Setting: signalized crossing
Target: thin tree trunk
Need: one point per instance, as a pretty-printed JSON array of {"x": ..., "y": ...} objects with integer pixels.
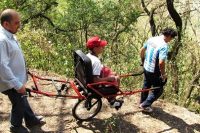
[
  {"x": 151, "y": 18},
  {"x": 194, "y": 81},
  {"x": 175, "y": 49}
]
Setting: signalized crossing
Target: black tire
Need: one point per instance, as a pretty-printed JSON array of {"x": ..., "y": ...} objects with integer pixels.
[{"x": 87, "y": 109}]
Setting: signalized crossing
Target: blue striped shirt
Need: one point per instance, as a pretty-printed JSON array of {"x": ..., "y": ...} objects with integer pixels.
[{"x": 156, "y": 49}]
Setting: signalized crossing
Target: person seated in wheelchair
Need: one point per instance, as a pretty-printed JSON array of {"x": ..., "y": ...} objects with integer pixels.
[{"x": 100, "y": 72}]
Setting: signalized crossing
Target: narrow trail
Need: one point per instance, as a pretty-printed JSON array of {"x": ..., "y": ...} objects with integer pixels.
[{"x": 166, "y": 117}]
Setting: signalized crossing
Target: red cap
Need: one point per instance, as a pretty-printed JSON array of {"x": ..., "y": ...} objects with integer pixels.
[{"x": 95, "y": 42}]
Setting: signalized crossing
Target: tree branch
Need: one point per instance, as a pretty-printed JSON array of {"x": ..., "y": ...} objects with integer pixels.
[
  {"x": 151, "y": 16},
  {"x": 48, "y": 6}
]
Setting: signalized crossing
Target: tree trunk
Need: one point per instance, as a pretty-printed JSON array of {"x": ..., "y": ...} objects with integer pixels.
[
  {"x": 194, "y": 81},
  {"x": 175, "y": 49},
  {"x": 151, "y": 18}
]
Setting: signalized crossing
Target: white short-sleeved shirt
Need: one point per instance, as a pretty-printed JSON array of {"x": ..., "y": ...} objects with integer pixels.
[{"x": 96, "y": 64}]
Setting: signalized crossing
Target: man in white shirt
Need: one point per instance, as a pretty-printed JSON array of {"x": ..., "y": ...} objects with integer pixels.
[{"x": 13, "y": 75}]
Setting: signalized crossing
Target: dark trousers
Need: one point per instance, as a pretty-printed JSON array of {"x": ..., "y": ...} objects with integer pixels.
[
  {"x": 151, "y": 80},
  {"x": 20, "y": 108}
]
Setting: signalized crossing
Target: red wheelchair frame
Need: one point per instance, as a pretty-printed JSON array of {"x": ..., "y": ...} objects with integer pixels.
[
  {"x": 65, "y": 83},
  {"x": 88, "y": 95},
  {"x": 71, "y": 84}
]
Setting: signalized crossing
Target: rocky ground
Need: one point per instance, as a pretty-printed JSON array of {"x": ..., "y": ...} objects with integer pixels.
[{"x": 166, "y": 117}]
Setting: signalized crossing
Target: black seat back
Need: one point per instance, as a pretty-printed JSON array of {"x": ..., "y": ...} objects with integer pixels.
[
  {"x": 82, "y": 68},
  {"x": 83, "y": 75}
]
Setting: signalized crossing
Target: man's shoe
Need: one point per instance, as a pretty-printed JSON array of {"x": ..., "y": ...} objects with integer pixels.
[
  {"x": 39, "y": 117},
  {"x": 20, "y": 129},
  {"x": 146, "y": 109},
  {"x": 116, "y": 104},
  {"x": 40, "y": 122}
]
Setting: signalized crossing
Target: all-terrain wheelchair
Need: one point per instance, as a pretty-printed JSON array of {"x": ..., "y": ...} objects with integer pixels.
[{"x": 88, "y": 93}]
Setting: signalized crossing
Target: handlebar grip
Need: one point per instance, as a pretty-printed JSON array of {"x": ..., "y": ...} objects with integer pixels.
[{"x": 28, "y": 92}]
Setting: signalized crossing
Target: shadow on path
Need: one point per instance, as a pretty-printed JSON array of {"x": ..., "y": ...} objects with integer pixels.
[
  {"x": 174, "y": 122},
  {"x": 114, "y": 124}
]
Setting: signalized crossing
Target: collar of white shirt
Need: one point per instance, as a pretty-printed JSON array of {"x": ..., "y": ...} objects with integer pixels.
[{"x": 7, "y": 33}]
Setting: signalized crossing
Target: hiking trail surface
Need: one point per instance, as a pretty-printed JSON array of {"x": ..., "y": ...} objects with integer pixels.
[{"x": 165, "y": 118}]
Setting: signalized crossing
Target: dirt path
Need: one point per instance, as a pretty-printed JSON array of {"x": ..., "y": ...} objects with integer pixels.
[{"x": 166, "y": 118}]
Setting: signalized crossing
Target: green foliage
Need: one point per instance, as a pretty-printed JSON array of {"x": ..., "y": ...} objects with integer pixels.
[
  {"x": 188, "y": 66},
  {"x": 53, "y": 29},
  {"x": 79, "y": 19},
  {"x": 6, "y": 4},
  {"x": 40, "y": 53}
]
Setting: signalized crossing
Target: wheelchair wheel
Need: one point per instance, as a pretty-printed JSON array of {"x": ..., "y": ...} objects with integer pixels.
[{"x": 86, "y": 109}]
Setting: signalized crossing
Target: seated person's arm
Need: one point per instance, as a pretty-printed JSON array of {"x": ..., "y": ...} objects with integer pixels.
[{"x": 99, "y": 79}]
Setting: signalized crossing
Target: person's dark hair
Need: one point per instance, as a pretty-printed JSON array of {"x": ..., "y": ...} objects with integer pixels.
[
  {"x": 169, "y": 32},
  {"x": 6, "y": 15}
]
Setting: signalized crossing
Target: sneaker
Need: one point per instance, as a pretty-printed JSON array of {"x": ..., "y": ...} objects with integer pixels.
[
  {"x": 20, "y": 129},
  {"x": 116, "y": 104},
  {"x": 146, "y": 109},
  {"x": 40, "y": 122}
]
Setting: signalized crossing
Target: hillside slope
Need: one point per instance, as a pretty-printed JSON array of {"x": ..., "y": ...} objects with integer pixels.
[{"x": 166, "y": 118}]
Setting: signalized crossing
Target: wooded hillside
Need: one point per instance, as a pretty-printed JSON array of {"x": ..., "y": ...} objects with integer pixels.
[{"x": 52, "y": 29}]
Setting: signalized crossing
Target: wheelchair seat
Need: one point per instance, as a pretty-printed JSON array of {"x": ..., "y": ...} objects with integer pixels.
[
  {"x": 84, "y": 76},
  {"x": 82, "y": 69}
]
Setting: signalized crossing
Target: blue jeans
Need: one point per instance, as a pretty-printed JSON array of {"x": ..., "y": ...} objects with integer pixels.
[
  {"x": 20, "y": 109},
  {"x": 151, "y": 80}
]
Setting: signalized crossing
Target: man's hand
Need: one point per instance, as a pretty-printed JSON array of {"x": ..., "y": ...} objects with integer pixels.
[
  {"x": 111, "y": 78},
  {"x": 162, "y": 69},
  {"x": 22, "y": 90},
  {"x": 164, "y": 77}
]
